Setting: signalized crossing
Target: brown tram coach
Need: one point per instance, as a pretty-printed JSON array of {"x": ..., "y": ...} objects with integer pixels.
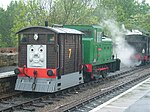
[{"x": 49, "y": 59}]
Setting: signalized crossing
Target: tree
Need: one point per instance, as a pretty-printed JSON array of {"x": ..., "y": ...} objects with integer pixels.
[
  {"x": 24, "y": 13},
  {"x": 28, "y": 13},
  {"x": 140, "y": 22},
  {"x": 72, "y": 12},
  {"x": 128, "y": 12},
  {"x": 116, "y": 9},
  {"x": 6, "y": 23},
  {"x": 141, "y": 19}
]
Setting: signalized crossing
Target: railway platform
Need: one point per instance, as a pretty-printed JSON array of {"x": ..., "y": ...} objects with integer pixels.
[
  {"x": 136, "y": 99},
  {"x": 7, "y": 69},
  {"x": 7, "y": 74},
  {"x": 7, "y": 79}
]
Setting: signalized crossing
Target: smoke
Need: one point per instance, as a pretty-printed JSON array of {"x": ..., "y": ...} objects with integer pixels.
[{"x": 122, "y": 49}]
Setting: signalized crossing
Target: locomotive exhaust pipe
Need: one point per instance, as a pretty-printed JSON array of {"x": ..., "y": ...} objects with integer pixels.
[{"x": 46, "y": 23}]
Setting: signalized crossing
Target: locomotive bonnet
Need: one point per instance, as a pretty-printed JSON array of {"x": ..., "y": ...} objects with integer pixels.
[{"x": 49, "y": 59}]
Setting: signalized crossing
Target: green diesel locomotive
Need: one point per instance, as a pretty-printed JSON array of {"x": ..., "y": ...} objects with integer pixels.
[{"x": 97, "y": 52}]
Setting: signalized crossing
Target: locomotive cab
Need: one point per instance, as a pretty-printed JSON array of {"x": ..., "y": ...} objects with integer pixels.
[{"x": 49, "y": 59}]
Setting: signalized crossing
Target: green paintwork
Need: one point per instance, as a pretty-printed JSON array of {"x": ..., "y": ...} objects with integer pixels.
[{"x": 96, "y": 50}]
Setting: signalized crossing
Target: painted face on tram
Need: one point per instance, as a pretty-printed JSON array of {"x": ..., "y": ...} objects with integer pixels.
[{"x": 36, "y": 56}]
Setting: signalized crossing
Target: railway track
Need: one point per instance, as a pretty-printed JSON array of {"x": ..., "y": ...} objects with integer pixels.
[
  {"x": 21, "y": 101},
  {"x": 69, "y": 99},
  {"x": 115, "y": 86}
]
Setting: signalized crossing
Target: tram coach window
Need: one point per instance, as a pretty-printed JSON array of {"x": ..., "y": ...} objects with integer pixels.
[
  {"x": 51, "y": 38},
  {"x": 24, "y": 38}
]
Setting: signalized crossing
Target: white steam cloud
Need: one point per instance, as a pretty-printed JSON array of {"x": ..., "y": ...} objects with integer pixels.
[{"x": 121, "y": 48}]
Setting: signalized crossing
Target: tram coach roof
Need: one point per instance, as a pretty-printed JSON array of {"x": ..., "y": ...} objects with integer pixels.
[{"x": 57, "y": 30}]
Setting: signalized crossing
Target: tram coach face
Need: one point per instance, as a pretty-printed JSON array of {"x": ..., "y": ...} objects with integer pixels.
[{"x": 36, "y": 56}]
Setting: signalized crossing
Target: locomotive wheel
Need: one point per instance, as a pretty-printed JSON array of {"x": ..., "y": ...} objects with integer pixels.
[
  {"x": 87, "y": 77},
  {"x": 104, "y": 74}
]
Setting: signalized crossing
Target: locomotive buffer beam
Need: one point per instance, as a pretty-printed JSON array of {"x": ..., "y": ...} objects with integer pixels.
[{"x": 102, "y": 71}]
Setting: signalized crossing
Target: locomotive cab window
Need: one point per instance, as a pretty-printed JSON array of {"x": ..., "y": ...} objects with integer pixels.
[
  {"x": 99, "y": 36},
  {"x": 87, "y": 33},
  {"x": 51, "y": 38}
]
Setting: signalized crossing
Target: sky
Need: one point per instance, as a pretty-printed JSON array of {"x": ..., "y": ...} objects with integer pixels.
[{"x": 4, "y": 3}]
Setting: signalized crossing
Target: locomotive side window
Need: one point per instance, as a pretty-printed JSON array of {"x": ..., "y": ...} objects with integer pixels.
[
  {"x": 70, "y": 39},
  {"x": 99, "y": 36},
  {"x": 51, "y": 38}
]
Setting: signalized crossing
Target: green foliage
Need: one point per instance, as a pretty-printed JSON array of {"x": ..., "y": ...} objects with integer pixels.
[
  {"x": 128, "y": 12},
  {"x": 73, "y": 12},
  {"x": 6, "y": 23},
  {"x": 141, "y": 19},
  {"x": 140, "y": 22},
  {"x": 24, "y": 13},
  {"x": 27, "y": 14}
]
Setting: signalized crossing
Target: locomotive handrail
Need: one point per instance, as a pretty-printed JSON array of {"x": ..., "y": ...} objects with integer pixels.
[{"x": 58, "y": 68}]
